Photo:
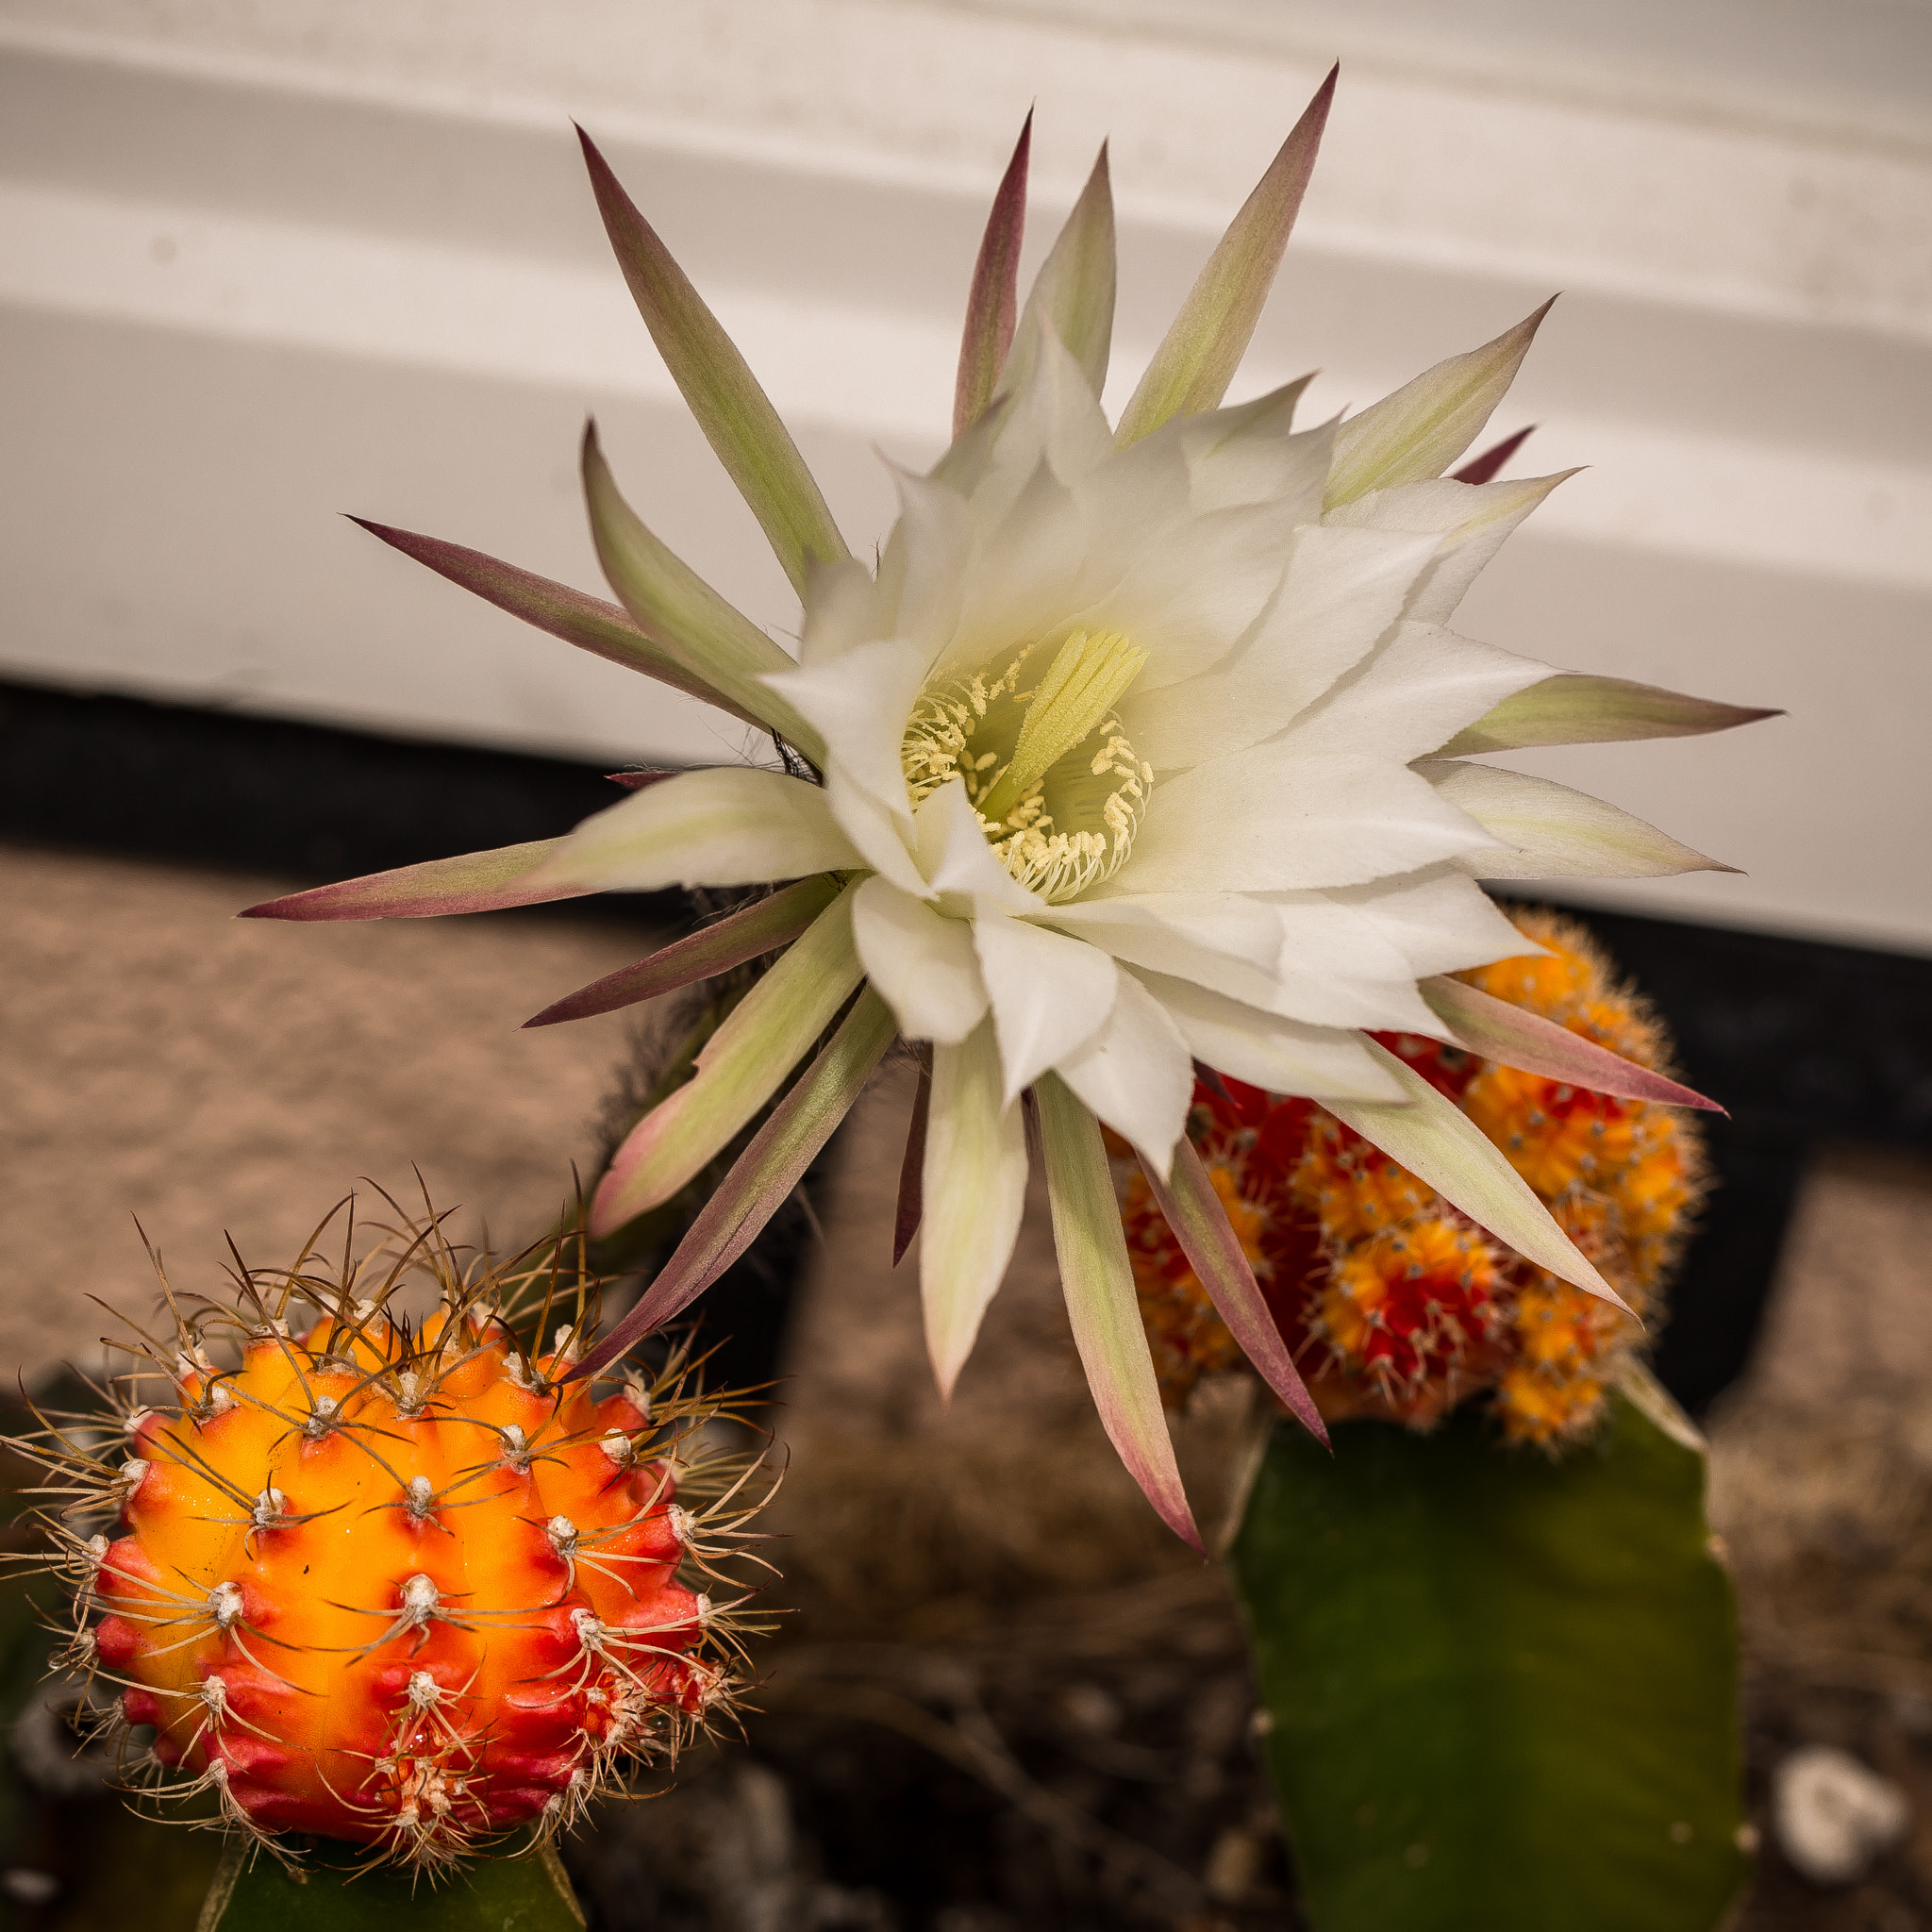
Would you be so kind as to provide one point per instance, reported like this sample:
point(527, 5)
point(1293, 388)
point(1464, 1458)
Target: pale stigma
point(1082, 685)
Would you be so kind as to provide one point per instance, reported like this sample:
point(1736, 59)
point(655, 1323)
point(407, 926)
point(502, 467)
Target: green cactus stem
point(529, 1894)
point(1500, 1689)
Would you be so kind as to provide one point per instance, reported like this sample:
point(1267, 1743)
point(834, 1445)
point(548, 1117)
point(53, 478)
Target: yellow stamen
point(1049, 772)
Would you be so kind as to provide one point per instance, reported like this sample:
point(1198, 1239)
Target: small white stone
point(1835, 1816)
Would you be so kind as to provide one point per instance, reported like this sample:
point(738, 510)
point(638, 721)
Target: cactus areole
point(398, 1583)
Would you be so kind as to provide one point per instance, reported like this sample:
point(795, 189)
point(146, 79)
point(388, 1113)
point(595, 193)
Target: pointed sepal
point(734, 412)
point(1489, 466)
point(1495, 1031)
point(1203, 348)
point(719, 644)
point(1198, 1218)
point(1098, 1281)
point(575, 616)
point(909, 1209)
point(747, 934)
point(761, 1180)
point(992, 303)
point(1551, 831)
point(1574, 707)
point(973, 1184)
point(1420, 429)
point(1075, 289)
point(742, 1066)
point(472, 882)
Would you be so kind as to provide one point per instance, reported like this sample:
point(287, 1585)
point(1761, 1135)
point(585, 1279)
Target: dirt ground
point(160, 1059)
point(1006, 1701)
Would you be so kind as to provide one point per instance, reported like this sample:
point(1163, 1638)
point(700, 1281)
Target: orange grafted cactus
point(1392, 1303)
point(1416, 1308)
point(404, 1585)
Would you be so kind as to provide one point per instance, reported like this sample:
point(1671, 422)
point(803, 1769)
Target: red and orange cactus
point(1393, 1303)
point(407, 1585)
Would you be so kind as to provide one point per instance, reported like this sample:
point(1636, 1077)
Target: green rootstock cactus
point(1503, 1689)
point(257, 1895)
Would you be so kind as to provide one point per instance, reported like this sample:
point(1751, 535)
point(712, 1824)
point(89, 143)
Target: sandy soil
point(160, 1059)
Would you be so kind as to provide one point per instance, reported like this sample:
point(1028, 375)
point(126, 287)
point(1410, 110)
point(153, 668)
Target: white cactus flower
point(1142, 750)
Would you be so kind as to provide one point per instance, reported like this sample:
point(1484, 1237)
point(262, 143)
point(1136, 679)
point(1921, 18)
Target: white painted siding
point(260, 263)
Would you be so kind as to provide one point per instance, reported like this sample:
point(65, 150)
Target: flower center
point(1048, 769)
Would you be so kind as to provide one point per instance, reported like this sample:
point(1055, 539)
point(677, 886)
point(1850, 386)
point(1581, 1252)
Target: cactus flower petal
point(1473, 519)
point(1050, 995)
point(1277, 1055)
point(973, 1192)
point(923, 964)
point(1098, 1281)
point(1137, 1073)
